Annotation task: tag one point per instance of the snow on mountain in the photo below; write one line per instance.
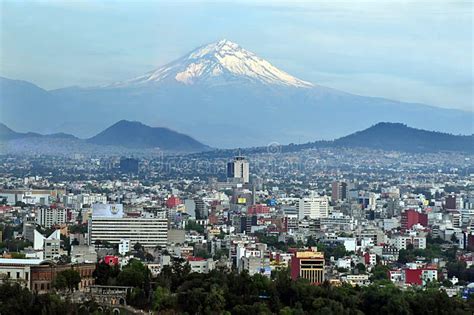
(217, 63)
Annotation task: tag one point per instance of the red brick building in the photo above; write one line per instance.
(258, 209)
(42, 276)
(412, 217)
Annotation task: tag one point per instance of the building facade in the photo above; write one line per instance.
(308, 265)
(149, 232)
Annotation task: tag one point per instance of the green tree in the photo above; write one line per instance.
(67, 279)
(360, 267)
(162, 299)
(380, 272)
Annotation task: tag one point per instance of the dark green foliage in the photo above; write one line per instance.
(179, 291)
(105, 274)
(191, 225)
(217, 292)
(17, 300)
(67, 279)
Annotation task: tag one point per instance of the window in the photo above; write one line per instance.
(26, 276)
(18, 275)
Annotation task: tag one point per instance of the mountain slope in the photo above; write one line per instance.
(217, 63)
(400, 137)
(135, 135)
(8, 134)
(228, 96)
(382, 136)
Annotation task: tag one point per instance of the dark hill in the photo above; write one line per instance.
(135, 135)
(400, 137)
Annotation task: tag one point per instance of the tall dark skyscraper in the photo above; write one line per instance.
(339, 191)
(201, 209)
(450, 202)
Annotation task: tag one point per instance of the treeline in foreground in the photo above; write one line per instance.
(177, 291)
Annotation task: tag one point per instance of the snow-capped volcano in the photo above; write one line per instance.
(219, 93)
(217, 63)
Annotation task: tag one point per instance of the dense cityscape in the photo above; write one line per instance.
(131, 234)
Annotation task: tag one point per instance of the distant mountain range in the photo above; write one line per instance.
(222, 93)
(8, 134)
(123, 134)
(127, 135)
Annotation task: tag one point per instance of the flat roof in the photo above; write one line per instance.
(20, 261)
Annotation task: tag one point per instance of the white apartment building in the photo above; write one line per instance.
(201, 265)
(48, 217)
(314, 207)
(31, 197)
(150, 232)
(402, 241)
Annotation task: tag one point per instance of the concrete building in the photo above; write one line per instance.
(238, 170)
(402, 241)
(47, 216)
(201, 265)
(28, 196)
(339, 191)
(18, 270)
(52, 249)
(81, 254)
(314, 207)
(256, 265)
(150, 232)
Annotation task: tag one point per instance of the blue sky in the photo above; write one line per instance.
(420, 51)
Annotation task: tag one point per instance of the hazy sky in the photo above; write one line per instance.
(418, 51)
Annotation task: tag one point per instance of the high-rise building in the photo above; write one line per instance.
(339, 191)
(450, 202)
(238, 169)
(149, 232)
(109, 224)
(201, 210)
(314, 207)
(48, 216)
(308, 265)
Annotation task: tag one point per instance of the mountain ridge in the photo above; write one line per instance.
(228, 109)
(384, 136)
(376, 137)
